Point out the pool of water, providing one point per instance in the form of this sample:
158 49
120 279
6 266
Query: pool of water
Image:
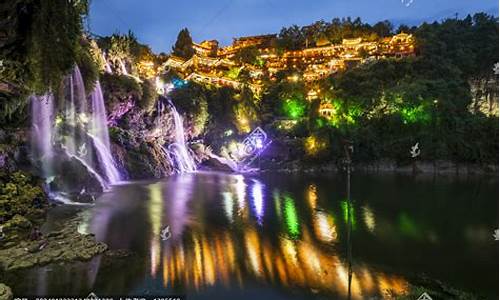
282 236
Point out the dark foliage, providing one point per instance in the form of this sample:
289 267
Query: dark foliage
184 45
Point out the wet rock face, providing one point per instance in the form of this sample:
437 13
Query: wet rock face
214 164
59 246
138 137
13 150
75 177
5 292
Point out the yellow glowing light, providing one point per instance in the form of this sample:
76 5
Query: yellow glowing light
155 256
165 269
369 218
230 254
240 187
179 260
309 256
315 145
280 268
253 251
289 250
221 262
268 255
208 263
155 210
243 123
198 266
83 118
324 227
277 202
312 196
366 280
59 120
228 205
294 78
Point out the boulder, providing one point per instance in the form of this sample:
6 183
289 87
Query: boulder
74 177
216 165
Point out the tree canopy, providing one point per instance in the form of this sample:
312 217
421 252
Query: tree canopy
184 45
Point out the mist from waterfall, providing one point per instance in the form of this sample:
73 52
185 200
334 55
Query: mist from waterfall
178 150
76 127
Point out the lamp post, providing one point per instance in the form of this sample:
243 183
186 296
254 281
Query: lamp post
348 150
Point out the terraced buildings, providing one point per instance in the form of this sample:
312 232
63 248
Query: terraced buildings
252 59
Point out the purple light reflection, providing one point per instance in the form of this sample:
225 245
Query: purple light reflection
258 200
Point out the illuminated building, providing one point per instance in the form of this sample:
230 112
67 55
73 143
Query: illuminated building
211 63
327 110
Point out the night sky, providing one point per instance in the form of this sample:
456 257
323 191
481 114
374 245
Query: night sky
157 22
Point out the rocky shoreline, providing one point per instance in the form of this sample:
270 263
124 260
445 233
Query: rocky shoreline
64 245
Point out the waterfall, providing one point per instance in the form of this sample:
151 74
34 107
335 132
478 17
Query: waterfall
106 161
89 169
123 69
107 66
77 126
178 150
42 110
100 135
75 115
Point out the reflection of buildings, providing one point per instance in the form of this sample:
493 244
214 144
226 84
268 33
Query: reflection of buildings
294 258
216 65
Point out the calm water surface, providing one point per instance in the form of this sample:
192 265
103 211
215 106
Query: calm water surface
281 236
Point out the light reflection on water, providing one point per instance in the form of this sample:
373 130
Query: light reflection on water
230 232
293 256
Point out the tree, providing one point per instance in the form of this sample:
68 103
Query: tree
184 45
38 49
383 29
191 101
291 38
247 55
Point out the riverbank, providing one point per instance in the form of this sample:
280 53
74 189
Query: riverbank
64 245
381 166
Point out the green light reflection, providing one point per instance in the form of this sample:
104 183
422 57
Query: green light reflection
291 218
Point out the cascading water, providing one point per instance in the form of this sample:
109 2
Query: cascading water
100 135
178 150
76 119
42 110
123 69
107 66
77 127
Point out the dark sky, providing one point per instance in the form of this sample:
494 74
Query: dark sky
157 22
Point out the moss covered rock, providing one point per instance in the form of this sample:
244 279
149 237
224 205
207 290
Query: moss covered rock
5 292
20 194
22 203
